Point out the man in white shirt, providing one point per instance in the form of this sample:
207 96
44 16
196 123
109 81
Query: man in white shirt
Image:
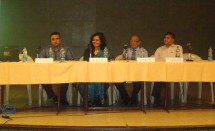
167 50
133 52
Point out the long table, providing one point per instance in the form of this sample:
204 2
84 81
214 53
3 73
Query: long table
114 71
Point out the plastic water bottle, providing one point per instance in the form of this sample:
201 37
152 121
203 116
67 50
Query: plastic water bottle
105 52
25 55
50 52
177 53
210 54
62 55
141 54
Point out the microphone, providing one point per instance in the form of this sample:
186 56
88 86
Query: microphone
126 51
189 53
38 49
125 47
189 47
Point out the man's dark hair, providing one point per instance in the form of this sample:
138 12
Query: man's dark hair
55 33
171 34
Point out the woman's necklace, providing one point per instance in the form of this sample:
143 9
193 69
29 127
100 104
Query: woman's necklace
96 51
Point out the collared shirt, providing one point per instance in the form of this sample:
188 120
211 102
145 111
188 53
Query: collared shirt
163 52
137 50
44 53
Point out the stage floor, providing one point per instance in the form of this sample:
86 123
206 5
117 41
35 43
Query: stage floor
70 119
74 117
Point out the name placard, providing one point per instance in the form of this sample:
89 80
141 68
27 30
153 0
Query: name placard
173 59
98 60
146 59
44 60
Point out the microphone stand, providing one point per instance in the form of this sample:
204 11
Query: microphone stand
89 46
38 49
126 52
189 57
189 53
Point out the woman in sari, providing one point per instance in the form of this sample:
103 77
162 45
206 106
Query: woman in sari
96 48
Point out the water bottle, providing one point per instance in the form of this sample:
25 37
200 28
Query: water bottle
105 52
210 54
177 53
62 55
50 52
141 54
25 55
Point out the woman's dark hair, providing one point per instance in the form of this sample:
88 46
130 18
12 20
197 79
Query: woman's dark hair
102 39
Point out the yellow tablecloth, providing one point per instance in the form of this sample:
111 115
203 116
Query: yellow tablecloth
114 71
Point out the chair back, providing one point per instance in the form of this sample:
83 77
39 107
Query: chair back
119 57
152 56
186 55
82 58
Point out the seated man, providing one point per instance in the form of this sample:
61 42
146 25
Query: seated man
167 50
132 53
53 51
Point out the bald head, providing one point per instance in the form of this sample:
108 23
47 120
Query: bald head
135 41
